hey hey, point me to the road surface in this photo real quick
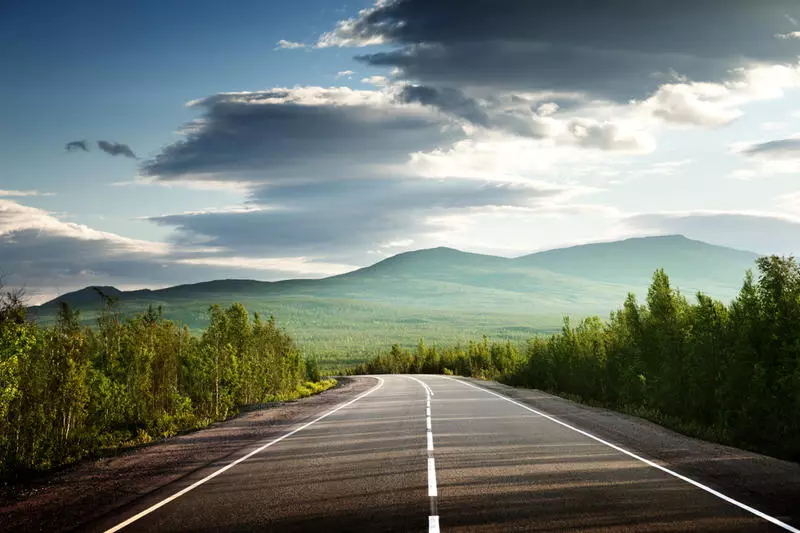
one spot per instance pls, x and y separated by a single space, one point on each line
432 453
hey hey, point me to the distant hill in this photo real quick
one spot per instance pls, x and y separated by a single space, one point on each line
693 265
445 295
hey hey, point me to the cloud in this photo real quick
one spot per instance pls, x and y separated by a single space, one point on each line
446 99
567 44
780 149
787 36
344 74
39 251
47 257
115 149
74 146
378 81
346 217
765 233
12 193
305 133
283 44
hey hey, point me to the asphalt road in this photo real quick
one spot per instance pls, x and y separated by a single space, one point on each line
487 464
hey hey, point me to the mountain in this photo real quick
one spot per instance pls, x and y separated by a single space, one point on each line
445 295
695 265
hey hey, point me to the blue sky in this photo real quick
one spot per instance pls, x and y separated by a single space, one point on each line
94 70
489 126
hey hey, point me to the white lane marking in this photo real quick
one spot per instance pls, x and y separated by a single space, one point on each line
648 462
432 491
214 474
427 388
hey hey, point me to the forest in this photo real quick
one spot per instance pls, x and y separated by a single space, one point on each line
726 373
729 373
68 391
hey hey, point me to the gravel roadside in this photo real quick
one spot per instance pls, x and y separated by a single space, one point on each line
70 498
767 484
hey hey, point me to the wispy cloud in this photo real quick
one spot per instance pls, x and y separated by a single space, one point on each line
344 74
10 193
283 44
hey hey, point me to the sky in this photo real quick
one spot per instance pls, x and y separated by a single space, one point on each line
148 144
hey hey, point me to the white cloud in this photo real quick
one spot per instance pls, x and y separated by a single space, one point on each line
378 81
296 265
348 34
15 217
717 104
787 36
13 193
344 74
283 44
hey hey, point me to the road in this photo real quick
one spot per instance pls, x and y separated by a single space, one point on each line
430 453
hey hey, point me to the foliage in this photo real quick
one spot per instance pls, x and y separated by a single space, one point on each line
67 390
728 373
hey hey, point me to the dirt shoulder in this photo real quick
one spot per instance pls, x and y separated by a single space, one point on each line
72 497
767 484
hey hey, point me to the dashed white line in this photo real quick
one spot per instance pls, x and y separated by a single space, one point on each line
214 474
648 462
433 492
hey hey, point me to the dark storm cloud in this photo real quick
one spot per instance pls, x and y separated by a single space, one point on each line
760 233
620 50
116 149
74 146
346 216
780 149
309 134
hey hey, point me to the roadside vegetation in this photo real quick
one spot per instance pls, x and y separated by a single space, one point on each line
68 391
727 373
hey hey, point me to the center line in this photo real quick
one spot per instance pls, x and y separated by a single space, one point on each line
432 478
433 492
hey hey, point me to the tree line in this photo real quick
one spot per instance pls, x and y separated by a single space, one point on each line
729 373
67 391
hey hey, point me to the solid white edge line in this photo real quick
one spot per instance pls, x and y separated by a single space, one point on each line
432 491
430 441
214 474
433 524
428 420
648 462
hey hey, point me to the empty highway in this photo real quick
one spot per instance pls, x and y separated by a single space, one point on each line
431 453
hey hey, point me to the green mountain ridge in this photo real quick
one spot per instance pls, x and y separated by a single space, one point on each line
443 294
